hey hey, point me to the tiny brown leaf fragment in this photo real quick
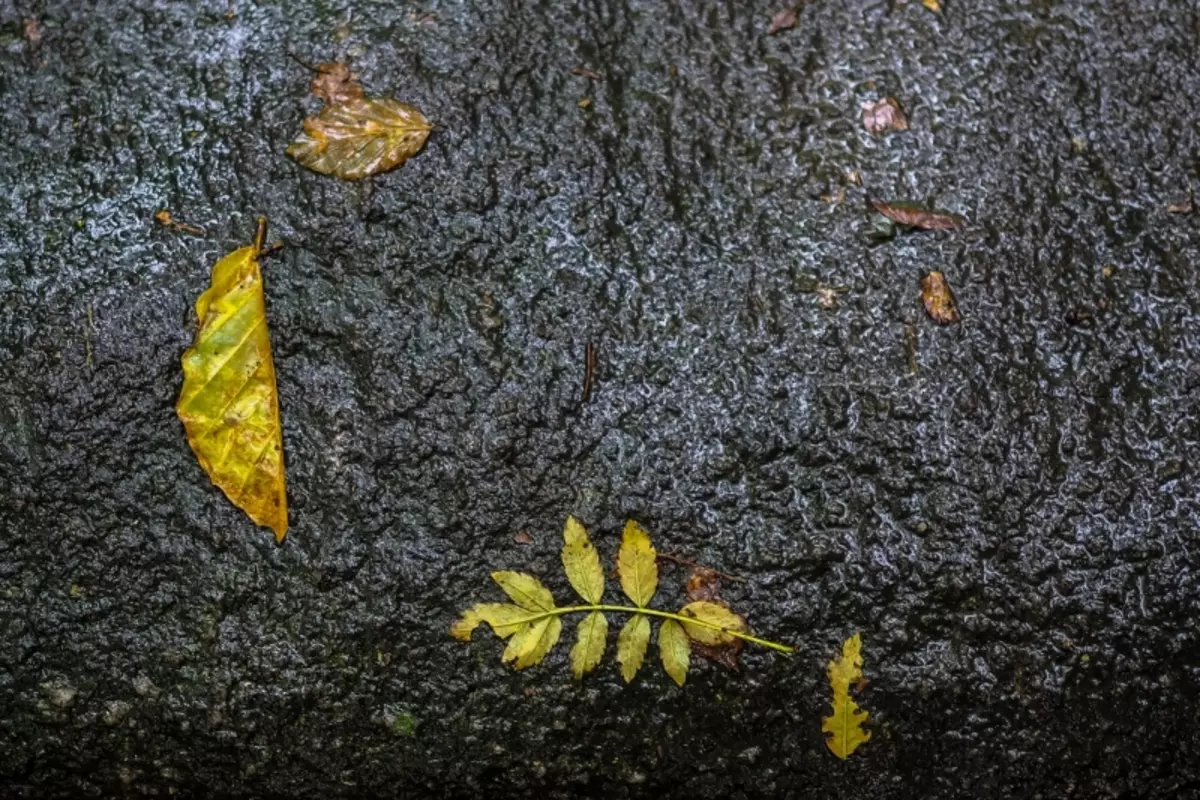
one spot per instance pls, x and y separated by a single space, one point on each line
938 299
164 218
704 584
584 72
32 30
1187 206
335 83
914 215
724 654
883 115
784 19
523 538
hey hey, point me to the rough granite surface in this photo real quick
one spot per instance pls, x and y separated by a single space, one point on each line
1013 525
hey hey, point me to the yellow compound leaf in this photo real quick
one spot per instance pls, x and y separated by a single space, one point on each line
589 647
532 641
525 590
359 137
844 727
505 619
714 614
675 651
229 405
638 565
582 562
631 645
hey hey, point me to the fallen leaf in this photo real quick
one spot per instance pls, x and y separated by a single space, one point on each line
631 645
704 583
505 619
335 83
827 296
717 614
532 642
589 647
584 72
913 215
1187 206
637 565
783 20
938 299
844 726
360 138
229 404
582 562
724 654
522 538
32 30
164 218
525 590
675 650
932 5
883 116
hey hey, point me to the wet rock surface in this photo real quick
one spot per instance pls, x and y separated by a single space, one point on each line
1012 526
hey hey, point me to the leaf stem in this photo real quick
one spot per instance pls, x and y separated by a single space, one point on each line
654 612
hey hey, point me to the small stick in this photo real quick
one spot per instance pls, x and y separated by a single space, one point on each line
589 370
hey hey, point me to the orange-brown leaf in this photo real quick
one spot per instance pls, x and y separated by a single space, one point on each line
914 216
360 137
229 404
335 83
883 116
938 299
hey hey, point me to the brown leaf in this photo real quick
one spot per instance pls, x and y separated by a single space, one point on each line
335 83
360 137
32 30
164 218
784 19
1187 206
938 299
703 584
915 216
523 538
724 654
584 72
883 116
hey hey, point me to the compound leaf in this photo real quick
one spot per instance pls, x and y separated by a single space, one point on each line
582 562
532 641
229 404
631 645
525 590
714 614
844 726
637 564
505 619
589 647
675 651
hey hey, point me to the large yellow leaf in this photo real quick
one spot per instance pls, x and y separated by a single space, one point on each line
359 137
525 590
589 647
631 645
675 651
229 404
714 614
582 562
638 565
531 643
844 726
505 619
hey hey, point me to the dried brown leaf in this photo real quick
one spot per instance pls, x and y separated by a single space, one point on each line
1187 206
358 138
938 299
784 19
584 72
703 584
335 83
523 538
914 215
884 115
32 30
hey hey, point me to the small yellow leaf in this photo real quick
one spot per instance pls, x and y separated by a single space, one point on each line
582 562
358 137
229 405
531 643
465 625
525 590
932 5
675 650
638 565
589 648
631 645
714 614
844 726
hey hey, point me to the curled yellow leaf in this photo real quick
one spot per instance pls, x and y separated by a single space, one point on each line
589 647
637 564
631 645
714 614
675 651
229 404
525 590
582 562
844 727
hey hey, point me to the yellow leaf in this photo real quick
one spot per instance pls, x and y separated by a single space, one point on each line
582 562
932 5
505 619
359 137
675 651
589 648
844 726
465 625
631 645
638 565
714 614
525 590
229 405
531 643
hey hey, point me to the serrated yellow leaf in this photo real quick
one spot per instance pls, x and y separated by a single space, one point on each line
525 590
844 726
714 614
638 565
229 404
675 651
631 645
582 562
589 647
532 641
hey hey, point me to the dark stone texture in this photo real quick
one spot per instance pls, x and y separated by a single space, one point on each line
1013 528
